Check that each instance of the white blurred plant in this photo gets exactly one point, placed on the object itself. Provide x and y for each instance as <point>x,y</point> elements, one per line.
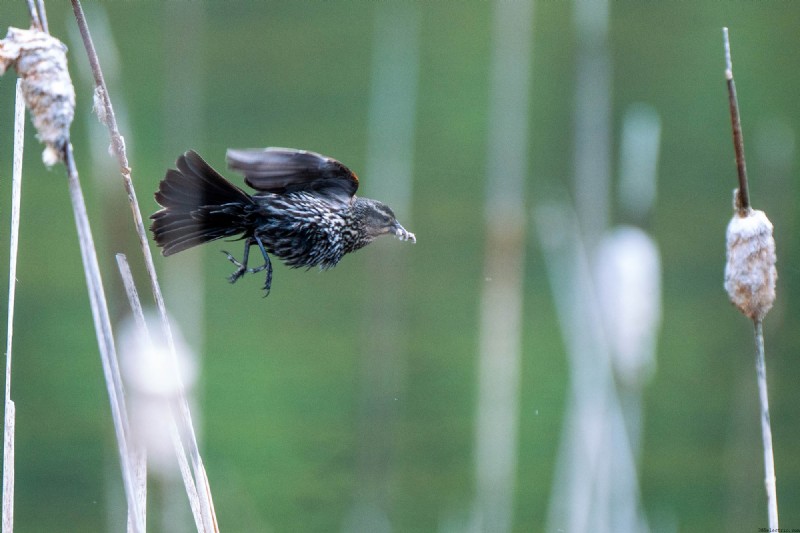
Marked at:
<point>391,129</point>
<point>153,385</point>
<point>607,287</point>
<point>501,304</point>
<point>629,288</point>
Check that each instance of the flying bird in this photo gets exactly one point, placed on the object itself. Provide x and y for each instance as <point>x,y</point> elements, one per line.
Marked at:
<point>304,210</point>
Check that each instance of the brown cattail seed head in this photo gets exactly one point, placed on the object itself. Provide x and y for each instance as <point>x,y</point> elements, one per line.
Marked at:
<point>750,272</point>
<point>41,62</point>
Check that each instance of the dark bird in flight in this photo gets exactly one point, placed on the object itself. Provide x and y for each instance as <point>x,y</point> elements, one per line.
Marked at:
<point>304,210</point>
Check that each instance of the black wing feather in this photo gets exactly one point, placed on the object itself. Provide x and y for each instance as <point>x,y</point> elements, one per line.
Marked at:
<point>285,170</point>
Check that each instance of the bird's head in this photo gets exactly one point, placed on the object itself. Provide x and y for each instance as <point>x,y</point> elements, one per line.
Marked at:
<point>378,219</point>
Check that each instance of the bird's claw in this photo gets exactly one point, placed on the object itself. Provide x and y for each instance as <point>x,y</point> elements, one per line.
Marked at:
<point>268,281</point>
<point>233,278</point>
<point>241,269</point>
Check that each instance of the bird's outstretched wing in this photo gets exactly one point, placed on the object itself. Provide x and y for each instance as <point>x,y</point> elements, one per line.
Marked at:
<point>285,170</point>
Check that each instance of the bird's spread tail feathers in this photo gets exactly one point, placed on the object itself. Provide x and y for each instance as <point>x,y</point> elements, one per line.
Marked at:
<point>199,206</point>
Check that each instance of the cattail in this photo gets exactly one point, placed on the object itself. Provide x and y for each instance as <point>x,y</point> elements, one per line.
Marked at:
<point>41,62</point>
<point>750,276</point>
<point>750,272</point>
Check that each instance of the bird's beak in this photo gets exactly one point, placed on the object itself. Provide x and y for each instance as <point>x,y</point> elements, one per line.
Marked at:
<point>402,233</point>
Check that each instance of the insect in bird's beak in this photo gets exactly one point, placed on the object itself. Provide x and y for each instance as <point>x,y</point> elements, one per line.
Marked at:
<point>403,234</point>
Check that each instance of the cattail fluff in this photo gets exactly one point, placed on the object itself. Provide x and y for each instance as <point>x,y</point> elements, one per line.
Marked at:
<point>41,62</point>
<point>153,382</point>
<point>750,272</point>
<point>629,289</point>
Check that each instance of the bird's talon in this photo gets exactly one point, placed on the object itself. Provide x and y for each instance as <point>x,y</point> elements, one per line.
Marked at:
<point>242,268</point>
<point>257,269</point>
<point>232,259</point>
<point>233,278</point>
<point>268,283</point>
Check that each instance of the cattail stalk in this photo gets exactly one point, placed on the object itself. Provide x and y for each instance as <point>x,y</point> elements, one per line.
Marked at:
<point>105,338</point>
<point>750,277</point>
<point>766,430</point>
<point>10,409</point>
<point>139,454</point>
<point>105,111</point>
<point>183,463</point>
<point>743,195</point>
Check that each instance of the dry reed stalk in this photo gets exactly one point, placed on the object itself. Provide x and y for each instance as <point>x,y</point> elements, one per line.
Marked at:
<point>183,464</point>
<point>105,339</point>
<point>105,110</point>
<point>10,408</point>
<point>139,454</point>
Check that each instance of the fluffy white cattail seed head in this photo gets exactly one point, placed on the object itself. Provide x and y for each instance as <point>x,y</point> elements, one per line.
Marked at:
<point>153,382</point>
<point>629,286</point>
<point>750,272</point>
<point>41,62</point>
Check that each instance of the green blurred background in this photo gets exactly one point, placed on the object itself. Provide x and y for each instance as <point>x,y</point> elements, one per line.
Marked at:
<point>278,397</point>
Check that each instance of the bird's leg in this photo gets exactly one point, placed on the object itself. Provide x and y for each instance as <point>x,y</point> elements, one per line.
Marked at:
<point>242,267</point>
<point>267,264</point>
